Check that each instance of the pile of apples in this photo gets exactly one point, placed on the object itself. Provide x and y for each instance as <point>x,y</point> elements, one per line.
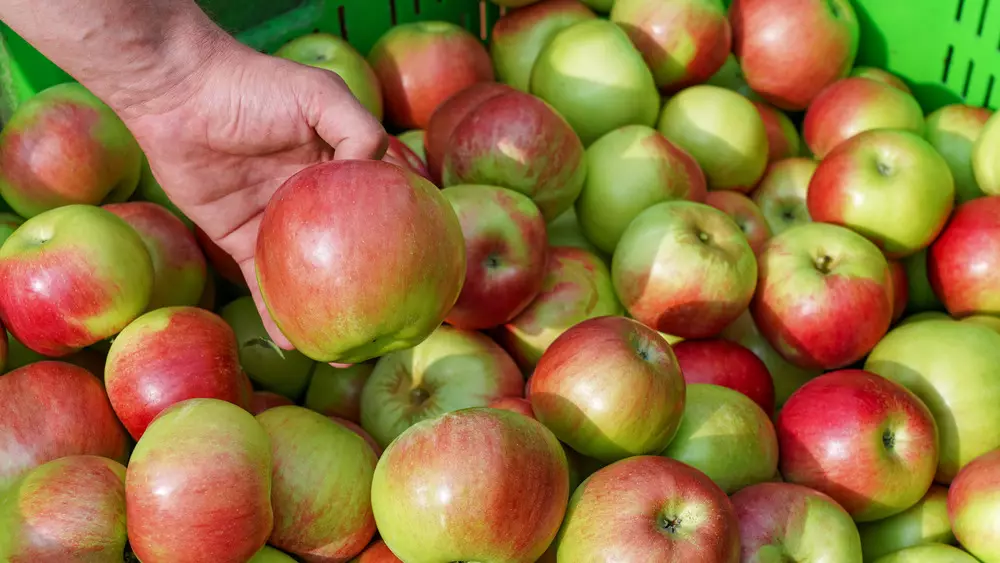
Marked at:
<point>600,301</point>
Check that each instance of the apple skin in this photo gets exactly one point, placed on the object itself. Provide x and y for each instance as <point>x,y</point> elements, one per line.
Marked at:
<point>684,42</point>
<point>70,277</point>
<point>641,401</point>
<point>984,320</point>
<point>722,130</point>
<point>963,264</point>
<point>337,391</point>
<point>479,484</point>
<point>594,77</point>
<point>565,230</point>
<point>782,192</point>
<point>449,115</point>
<point>421,64</point>
<point>920,294</point>
<point>825,38</point>
<point>167,356</point>
<point>866,441</point>
<point>264,400</point>
<point>357,429</point>
<point>452,369</point>
<point>725,363</point>
<point>727,436</point>
<point>745,213</point>
<point>932,553</point>
<point>783,140</point>
<point>629,170</point>
<point>415,140</point>
<point>900,289</point>
<point>577,287</point>
<point>325,515</point>
<point>64,146</point>
<point>974,507</point>
<point>814,278</point>
<point>69,509</point>
<point>340,294</point>
<point>730,76</point>
<point>505,249</point>
<point>953,131</point>
<point>875,73</point>
<point>961,394</point>
<point>649,508</point>
<point>924,522</point>
<point>984,161</point>
<point>684,268</point>
<point>376,552</point>
<point>401,155</point>
<point>513,404</point>
<point>268,554</point>
<point>329,52</point>
<point>520,35</point>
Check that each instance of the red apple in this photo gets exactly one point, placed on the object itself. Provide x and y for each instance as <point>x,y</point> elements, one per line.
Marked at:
<point>221,261</point>
<point>513,404</point>
<point>336,391</point>
<point>449,115</point>
<point>783,139</point>
<point>900,289</point>
<point>356,259</point>
<point>725,363</point>
<point>974,506</point>
<point>874,73</point>
<point>376,552</point>
<point>264,400</point>
<point>745,213</point>
<point>781,194</point>
<point>401,155</point>
<point>964,262</point>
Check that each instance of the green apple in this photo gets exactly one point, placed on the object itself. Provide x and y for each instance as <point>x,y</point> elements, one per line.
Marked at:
<point>781,194</point>
<point>953,131</point>
<point>974,507</point>
<point>336,391</point>
<point>985,162</point>
<point>921,294</point>
<point>924,316</point>
<point>268,554</point>
<point>931,553</point>
<point>984,320</point>
<point>565,230</point>
<point>924,522</point>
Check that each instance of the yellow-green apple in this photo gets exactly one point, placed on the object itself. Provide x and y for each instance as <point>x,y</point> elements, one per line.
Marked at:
<point>452,369</point>
<point>8,224</point>
<point>594,77</point>
<point>727,436</point>
<point>629,170</point>
<point>329,52</point>
<point>340,294</point>
<point>519,405</point>
<point>520,35</point>
<point>925,316</point>
<point>286,372</point>
<point>376,552</point>
<point>783,139</point>
<point>866,441</point>
<point>875,73</point>
<point>790,50</point>
<point>641,398</point>
<point>974,507</point>
<point>449,115</point>
<point>320,485</point>
<point>268,554</point>
<point>649,508</point>
<point>951,366</point>
<point>953,131</point>
<point>337,391</point>
<point>721,362</point>
<point>722,130</point>
<point>814,280</point>
<point>421,64</point>
<point>69,509</point>
<point>71,277</point>
<point>264,400</point>
<point>516,141</point>
<point>985,163</point>
<point>748,217</point>
<point>505,250</point>
<point>64,146</point>
<point>923,523</point>
<point>788,522</point>
<point>565,230</point>
<point>414,139</point>
<point>684,268</point>
<point>963,264</point>
<point>730,76</point>
<point>179,268</point>
<point>479,484</point>
<point>220,260</point>
<point>149,189</point>
<point>684,42</point>
<point>900,289</point>
<point>930,553</point>
<point>984,320</point>
<point>920,294</point>
<point>577,287</point>
<point>781,194</point>
<point>167,356</point>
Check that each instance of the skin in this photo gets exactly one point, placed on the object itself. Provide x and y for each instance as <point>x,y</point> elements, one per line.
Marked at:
<point>925,316</point>
<point>594,77</point>
<point>641,401</point>
<point>322,515</point>
<point>393,290</point>
<point>456,488</point>
<point>934,553</point>
<point>337,392</point>
<point>170,355</point>
<point>64,290</point>
<point>973,507</point>
<point>725,363</point>
<point>264,400</point>
<point>900,289</point>
<point>685,269</point>
<point>649,508</point>
<point>920,294</point>
<point>354,427</point>
<point>722,130</point>
<point>875,73</point>
<point>377,552</point>
<point>984,164</point>
<point>629,170</point>
<point>745,213</point>
<point>962,263</point>
<point>786,522</point>
<point>450,115</point>
<point>814,278</point>
<point>451,370</point>
<point>781,194</point>
<point>953,131</point>
<point>783,139</point>
<point>960,395</point>
<point>149,189</point>
<point>923,523</point>
<point>825,31</point>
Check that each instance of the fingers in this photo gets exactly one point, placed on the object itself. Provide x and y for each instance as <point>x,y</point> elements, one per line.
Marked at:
<point>250,273</point>
<point>344,123</point>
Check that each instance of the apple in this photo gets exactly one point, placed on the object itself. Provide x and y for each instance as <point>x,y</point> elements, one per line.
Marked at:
<point>414,140</point>
<point>745,213</point>
<point>268,554</point>
<point>730,76</point>
<point>449,115</point>
<point>725,363</point>
<point>930,553</point>
<point>684,268</point>
<point>8,224</point>
<point>64,146</point>
<point>340,293</point>
<point>376,552</point>
<point>875,73</point>
<point>920,294</point>
<point>357,429</point>
<point>783,139</point>
<point>452,369</point>
<point>781,194</point>
<point>565,230</point>
<point>629,170</point>
<point>900,289</point>
<point>520,35</point>
<point>602,6</point>
<point>594,77</point>
<point>70,277</point>
<point>513,404</point>
<point>167,356</point>
<point>963,262</point>
<point>984,320</point>
<point>925,316</point>
<point>722,130</point>
<point>923,523</point>
<point>452,488</point>
<point>649,508</point>
<point>264,400</point>
<point>953,131</point>
<point>329,52</point>
<point>974,507</point>
<point>790,50</point>
<point>401,155</point>
<point>149,189</point>
<point>727,436</point>
<point>337,391</point>
<point>984,161</point>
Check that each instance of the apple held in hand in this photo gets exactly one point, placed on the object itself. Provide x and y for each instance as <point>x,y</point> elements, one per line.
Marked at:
<point>974,507</point>
<point>782,192</point>
<point>953,131</point>
<point>337,391</point>
<point>923,523</point>
<point>963,264</point>
<point>725,363</point>
<point>985,163</point>
<point>745,213</point>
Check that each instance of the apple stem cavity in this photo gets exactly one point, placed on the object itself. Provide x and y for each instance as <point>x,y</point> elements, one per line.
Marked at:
<point>889,440</point>
<point>824,263</point>
<point>671,525</point>
<point>883,169</point>
<point>419,396</point>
